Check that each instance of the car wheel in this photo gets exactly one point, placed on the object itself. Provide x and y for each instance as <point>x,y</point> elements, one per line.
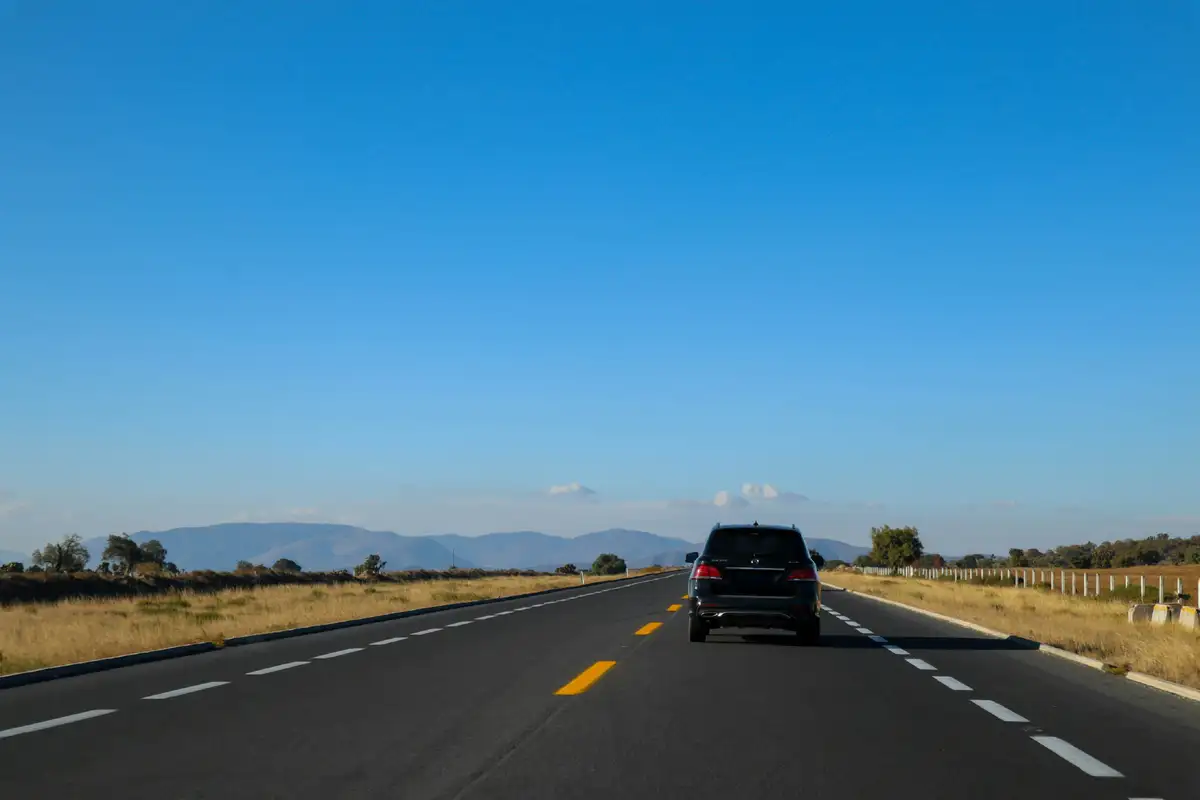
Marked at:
<point>809,633</point>
<point>697,630</point>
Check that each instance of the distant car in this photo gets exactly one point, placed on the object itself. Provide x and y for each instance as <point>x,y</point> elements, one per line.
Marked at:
<point>754,576</point>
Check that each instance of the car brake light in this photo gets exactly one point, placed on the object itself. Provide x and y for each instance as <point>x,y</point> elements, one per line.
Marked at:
<point>802,574</point>
<point>706,571</point>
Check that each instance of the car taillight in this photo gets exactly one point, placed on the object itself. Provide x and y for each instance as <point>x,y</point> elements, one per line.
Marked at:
<point>802,574</point>
<point>706,571</point>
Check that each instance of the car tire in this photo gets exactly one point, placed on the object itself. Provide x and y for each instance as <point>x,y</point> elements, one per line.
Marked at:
<point>809,633</point>
<point>697,630</point>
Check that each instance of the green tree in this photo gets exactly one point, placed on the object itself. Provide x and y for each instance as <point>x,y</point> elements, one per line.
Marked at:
<point>152,552</point>
<point>123,553</point>
<point>286,565</point>
<point>372,566</point>
<point>12,566</point>
<point>244,566</point>
<point>1016,557</point>
<point>69,555</point>
<point>896,547</point>
<point>567,569</point>
<point>608,564</point>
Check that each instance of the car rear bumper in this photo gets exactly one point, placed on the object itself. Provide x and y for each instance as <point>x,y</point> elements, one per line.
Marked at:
<point>742,611</point>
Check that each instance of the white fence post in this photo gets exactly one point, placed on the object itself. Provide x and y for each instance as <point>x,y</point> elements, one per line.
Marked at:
<point>1178,587</point>
<point>1112,583</point>
<point>1142,581</point>
<point>1160,588</point>
<point>1073,583</point>
<point>1085,584</point>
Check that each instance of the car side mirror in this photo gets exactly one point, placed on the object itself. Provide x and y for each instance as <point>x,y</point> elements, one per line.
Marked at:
<point>691,557</point>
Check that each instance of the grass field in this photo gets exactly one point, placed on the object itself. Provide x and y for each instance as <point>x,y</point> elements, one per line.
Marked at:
<point>43,635</point>
<point>1090,627</point>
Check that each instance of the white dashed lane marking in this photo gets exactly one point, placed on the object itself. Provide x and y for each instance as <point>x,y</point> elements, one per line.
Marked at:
<point>278,668</point>
<point>199,687</point>
<point>338,653</point>
<point>1060,747</point>
<point>460,624</point>
<point>392,640</point>
<point>998,711</point>
<point>54,723</point>
<point>1071,753</point>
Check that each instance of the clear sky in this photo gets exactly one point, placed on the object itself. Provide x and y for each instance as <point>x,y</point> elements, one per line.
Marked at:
<point>409,264</point>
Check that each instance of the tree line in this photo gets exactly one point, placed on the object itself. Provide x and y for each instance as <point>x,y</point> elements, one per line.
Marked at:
<point>124,557</point>
<point>902,547</point>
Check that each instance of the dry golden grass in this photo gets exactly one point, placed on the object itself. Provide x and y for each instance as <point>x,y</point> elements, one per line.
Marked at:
<point>43,635</point>
<point>1094,628</point>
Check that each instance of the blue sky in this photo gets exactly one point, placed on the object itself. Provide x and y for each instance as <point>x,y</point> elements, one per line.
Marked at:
<point>410,264</point>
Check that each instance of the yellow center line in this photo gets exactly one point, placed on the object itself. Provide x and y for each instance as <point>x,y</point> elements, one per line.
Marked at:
<point>684,597</point>
<point>674,607</point>
<point>648,628</point>
<point>584,680</point>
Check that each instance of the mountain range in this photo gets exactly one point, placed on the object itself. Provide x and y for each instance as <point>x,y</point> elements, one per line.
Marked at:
<point>323,546</point>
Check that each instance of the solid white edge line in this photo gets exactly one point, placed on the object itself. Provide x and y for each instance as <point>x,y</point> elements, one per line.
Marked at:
<point>952,683</point>
<point>1069,752</point>
<point>900,651</point>
<point>57,721</point>
<point>199,687</point>
<point>393,640</point>
<point>337,653</point>
<point>998,711</point>
<point>921,663</point>
<point>278,668</point>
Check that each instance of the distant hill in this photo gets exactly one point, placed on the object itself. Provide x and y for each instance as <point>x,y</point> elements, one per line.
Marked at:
<point>321,546</point>
<point>832,549</point>
<point>315,546</point>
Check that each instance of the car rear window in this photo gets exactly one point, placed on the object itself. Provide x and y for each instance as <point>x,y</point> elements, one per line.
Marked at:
<point>763,542</point>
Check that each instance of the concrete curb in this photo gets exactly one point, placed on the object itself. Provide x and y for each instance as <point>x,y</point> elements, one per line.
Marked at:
<point>1177,689</point>
<point>147,656</point>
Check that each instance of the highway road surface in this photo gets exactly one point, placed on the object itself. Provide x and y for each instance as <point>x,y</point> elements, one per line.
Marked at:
<point>596,693</point>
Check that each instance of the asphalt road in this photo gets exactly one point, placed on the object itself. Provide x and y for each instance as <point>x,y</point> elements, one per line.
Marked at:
<point>467,704</point>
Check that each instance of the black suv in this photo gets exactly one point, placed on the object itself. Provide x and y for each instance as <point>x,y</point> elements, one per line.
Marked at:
<point>754,576</point>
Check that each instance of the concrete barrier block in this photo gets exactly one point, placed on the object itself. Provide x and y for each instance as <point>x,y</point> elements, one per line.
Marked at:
<point>1164,614</point>
<point>1140,612</point>
<point>1189,618</point>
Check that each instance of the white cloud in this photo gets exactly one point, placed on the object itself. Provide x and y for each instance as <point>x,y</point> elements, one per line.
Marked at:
<point>575,488</point>
<point>770,492</point>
